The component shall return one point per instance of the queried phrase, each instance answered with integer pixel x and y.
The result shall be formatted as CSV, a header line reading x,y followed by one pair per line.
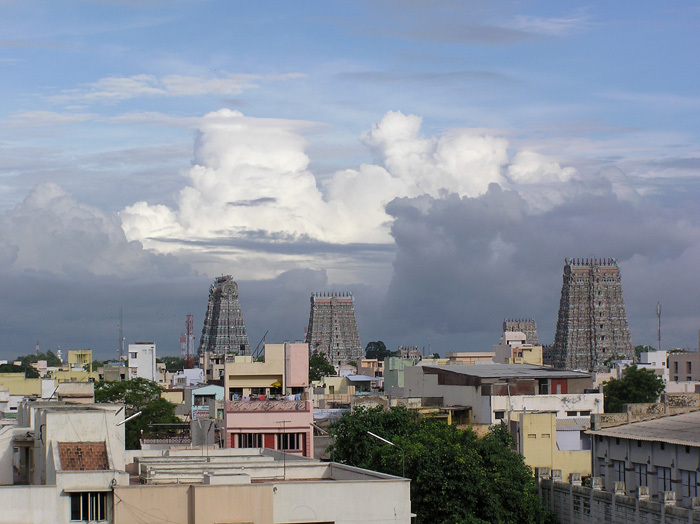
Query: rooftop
x,y
675,429
502,371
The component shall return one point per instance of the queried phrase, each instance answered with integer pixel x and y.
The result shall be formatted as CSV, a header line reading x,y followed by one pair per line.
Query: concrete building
x,y
394,374
592,324
523,325
70,465
684,367
188,377
466,358
142,361
268,403
656,361
493,392
546,441
61,462
513,348
661,455
224,330
258,487
333,329
79,358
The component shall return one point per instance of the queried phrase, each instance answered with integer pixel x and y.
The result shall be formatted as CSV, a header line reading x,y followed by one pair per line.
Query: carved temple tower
x,y
224,329
592,325
333,329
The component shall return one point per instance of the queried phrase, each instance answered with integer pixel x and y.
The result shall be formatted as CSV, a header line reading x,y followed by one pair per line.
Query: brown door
x,y
270,440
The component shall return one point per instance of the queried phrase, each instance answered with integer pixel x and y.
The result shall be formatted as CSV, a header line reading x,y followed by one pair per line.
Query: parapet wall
x,y
671,404
576,504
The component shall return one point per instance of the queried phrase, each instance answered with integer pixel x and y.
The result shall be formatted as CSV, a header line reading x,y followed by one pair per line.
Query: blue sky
x,y
439,159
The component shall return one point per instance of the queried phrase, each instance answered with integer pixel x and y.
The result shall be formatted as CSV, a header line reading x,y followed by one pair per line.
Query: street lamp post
x,y
403,456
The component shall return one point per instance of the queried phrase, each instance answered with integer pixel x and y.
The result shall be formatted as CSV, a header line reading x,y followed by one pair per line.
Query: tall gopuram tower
x,y
332,327
224,329
592,325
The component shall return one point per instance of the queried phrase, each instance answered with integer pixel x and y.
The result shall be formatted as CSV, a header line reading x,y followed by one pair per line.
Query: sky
x,y
438,159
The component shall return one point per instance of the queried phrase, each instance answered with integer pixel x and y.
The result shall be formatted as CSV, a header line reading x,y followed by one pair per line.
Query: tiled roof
x,y
83,456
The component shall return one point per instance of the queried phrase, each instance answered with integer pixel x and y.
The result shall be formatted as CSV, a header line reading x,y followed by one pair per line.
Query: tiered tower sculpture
x,y
592,326
333,329
524,325
224,329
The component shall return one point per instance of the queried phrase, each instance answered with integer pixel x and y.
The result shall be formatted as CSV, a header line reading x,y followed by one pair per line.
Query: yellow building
x,y
545,441
78,358
18,385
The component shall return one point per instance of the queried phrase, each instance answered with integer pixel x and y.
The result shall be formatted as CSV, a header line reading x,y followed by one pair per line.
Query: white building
x,y
142,361
661,454
493,391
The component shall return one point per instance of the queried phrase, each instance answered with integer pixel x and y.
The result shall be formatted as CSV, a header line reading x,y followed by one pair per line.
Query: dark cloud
x,y
463,264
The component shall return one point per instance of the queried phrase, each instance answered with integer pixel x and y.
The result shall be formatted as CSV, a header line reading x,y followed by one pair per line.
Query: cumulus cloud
x,y
50,232
250,179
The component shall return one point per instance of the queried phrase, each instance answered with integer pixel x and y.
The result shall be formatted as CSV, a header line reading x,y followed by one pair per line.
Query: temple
x,y
592,326
332,328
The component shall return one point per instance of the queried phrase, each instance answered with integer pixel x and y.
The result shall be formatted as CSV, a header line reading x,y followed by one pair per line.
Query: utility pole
x,y
658,314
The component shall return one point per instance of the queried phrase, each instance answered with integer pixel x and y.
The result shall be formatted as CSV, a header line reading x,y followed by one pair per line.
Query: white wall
x,y
142,360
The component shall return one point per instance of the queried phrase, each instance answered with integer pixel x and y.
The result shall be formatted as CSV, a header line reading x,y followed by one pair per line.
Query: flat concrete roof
x,y
683,430
509,371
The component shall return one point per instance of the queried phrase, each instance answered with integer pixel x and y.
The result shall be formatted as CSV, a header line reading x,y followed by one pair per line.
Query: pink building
x,y
267,402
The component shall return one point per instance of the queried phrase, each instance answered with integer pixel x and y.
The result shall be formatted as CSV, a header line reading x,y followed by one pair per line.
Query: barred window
x,y
88,506
250,440
289,441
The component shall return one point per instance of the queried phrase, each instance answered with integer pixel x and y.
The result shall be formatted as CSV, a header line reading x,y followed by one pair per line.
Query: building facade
x,y
224,330
659,455
142,361
592,325
333,329
268,403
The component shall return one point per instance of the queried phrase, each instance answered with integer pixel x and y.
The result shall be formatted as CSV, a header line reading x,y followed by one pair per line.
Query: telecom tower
x,y
592,326
333,329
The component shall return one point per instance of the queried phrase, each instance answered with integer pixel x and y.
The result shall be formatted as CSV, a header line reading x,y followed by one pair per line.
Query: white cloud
x,y
50,232
48,118
118,88
250,181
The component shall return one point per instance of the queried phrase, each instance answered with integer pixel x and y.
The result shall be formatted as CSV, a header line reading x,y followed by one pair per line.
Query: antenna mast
x,y
658,314
121,334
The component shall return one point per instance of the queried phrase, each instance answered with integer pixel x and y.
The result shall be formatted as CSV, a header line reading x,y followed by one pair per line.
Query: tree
x,y
638,350
137,394
457,477
378,350
172,364
319,367
29,371
636,385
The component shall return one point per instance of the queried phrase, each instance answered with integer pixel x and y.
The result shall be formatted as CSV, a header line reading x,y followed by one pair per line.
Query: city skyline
x,y
438,159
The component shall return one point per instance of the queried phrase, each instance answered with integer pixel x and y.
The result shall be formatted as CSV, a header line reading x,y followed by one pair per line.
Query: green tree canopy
x,y
172,364
28,371
320,367
378,350
457,477
137,394
636,385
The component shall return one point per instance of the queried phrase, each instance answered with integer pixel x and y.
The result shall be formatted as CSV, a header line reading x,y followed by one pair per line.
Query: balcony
x,y
247,406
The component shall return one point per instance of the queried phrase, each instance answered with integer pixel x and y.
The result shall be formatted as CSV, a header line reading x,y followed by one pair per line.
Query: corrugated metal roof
x,y
683,430
510,371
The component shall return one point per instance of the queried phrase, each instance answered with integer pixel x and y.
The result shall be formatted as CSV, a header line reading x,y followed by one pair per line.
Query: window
x,y
689,483
585,413
571,413
499,415
618,470
133,354
250,440
662,445
663,479
641,475
287,441
532,435
88,506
